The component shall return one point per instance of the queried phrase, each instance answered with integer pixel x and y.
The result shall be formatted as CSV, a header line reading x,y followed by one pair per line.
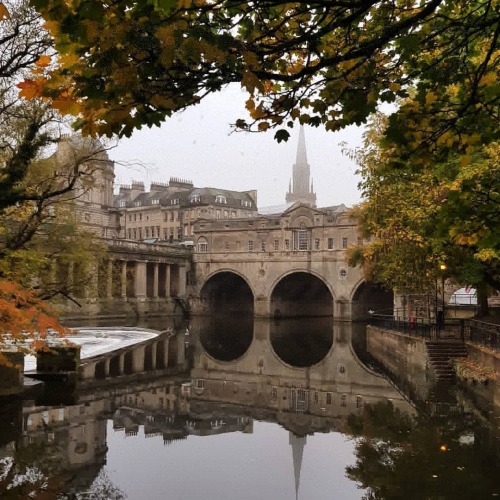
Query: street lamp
x,y
442,268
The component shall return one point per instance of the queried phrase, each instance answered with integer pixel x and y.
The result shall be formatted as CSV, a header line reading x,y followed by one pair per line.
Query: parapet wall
x,y
403,356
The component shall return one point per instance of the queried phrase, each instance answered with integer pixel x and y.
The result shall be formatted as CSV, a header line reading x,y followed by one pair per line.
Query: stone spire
x,y
297,443
299,189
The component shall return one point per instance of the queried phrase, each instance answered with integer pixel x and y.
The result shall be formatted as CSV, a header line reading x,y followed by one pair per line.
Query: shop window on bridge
x,y
299,399
199,383
202,245
301,239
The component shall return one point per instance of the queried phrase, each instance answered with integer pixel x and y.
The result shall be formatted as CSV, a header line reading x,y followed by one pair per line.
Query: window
x,y
274,393
360,242
344,242
123,203
202,245
343,274
233,214
250,245
195,198
329,243
262,246
217,214
199,383
287,244
301,239
140,217
220,199
130,218
137,203
155,201
328,398
172,216
226,245
343,400
147,232
316,244
226,214
276,245
135,217
359,401
175,201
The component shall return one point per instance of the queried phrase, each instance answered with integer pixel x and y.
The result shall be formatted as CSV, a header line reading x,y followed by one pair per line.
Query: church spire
x,y
301,190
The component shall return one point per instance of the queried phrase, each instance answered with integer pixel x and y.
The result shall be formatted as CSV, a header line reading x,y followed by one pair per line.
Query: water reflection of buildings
x,y
210,397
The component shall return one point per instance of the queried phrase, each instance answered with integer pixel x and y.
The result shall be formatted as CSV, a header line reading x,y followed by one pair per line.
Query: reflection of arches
x,y
301,294
226,292
226,338
371,297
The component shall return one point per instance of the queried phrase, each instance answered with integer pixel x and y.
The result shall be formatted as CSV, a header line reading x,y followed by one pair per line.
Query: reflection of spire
x,y
297,443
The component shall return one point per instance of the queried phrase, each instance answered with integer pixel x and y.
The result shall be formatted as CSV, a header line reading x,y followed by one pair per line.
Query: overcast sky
x,y
198,145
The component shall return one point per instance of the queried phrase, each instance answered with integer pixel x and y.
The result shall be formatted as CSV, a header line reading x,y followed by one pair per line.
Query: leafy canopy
x,y
127,64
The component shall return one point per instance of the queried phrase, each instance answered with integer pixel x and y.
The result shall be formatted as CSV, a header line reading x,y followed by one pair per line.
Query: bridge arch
x,y
301,293
367,297
228,292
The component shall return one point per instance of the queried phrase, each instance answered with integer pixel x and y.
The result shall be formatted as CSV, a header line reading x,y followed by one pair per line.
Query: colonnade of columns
x,y
161,353
120,278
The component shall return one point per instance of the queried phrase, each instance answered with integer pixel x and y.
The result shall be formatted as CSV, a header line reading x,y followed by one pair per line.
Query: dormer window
x,y
123,203
137,203
155,201
246,203
175,201
220,199
195,198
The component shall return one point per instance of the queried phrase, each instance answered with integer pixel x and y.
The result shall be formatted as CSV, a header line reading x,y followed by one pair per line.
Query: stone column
x,y
138,359
91,289
140,279
121,364
123,280
167,280
155,280
182,281
106,367
154,348
109,279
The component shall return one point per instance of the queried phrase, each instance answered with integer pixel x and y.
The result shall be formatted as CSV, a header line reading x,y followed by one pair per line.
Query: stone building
x,y
168,211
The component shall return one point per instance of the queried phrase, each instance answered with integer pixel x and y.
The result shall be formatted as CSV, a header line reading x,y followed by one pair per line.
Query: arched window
x,y
202,245
301,239
220,198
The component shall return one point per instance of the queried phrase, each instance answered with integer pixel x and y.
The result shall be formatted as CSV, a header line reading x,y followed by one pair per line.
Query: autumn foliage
x,y
22,313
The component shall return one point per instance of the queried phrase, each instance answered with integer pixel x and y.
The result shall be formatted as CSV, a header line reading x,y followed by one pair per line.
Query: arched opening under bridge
x,y
227,293
301,294
371,297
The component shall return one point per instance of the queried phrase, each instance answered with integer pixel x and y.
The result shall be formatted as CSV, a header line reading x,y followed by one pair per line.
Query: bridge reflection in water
x,y
237,380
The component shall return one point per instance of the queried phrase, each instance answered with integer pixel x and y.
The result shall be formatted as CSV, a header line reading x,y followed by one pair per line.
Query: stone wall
x,y
403,356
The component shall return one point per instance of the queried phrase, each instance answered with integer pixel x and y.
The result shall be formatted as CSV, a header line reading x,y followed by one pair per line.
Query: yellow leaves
x,y
394,86
430,97
250,81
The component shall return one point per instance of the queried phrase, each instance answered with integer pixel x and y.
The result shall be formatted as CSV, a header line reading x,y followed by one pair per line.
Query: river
x,y
250,409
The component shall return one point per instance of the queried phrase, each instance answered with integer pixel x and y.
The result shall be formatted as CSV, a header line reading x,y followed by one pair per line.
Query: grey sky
x,y
197,144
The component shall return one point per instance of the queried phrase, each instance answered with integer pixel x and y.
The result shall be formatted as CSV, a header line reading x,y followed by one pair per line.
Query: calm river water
x,y
241,409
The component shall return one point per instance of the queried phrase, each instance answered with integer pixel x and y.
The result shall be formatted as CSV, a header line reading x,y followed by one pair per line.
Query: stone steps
x,y
441,353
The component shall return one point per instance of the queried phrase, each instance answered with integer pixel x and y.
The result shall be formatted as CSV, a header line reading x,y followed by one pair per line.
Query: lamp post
x,y
442,268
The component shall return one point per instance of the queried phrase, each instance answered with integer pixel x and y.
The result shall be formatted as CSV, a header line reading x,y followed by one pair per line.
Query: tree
x,y
421,217
38,220
128,64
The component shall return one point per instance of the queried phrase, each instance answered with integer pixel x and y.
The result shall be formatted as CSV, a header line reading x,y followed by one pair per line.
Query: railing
x,y
414,326
479,332
420,326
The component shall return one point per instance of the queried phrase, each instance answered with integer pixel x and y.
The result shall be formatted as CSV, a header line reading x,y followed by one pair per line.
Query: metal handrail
x,y
480,332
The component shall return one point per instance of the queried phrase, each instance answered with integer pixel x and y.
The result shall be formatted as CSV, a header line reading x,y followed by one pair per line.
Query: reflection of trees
x,y
425,457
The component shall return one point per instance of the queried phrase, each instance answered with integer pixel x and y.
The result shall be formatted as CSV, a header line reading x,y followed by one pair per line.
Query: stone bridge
x,y
290,264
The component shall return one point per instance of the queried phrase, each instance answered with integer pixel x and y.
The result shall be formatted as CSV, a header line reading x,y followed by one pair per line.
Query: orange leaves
x,y
23,314
4,13
30,89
